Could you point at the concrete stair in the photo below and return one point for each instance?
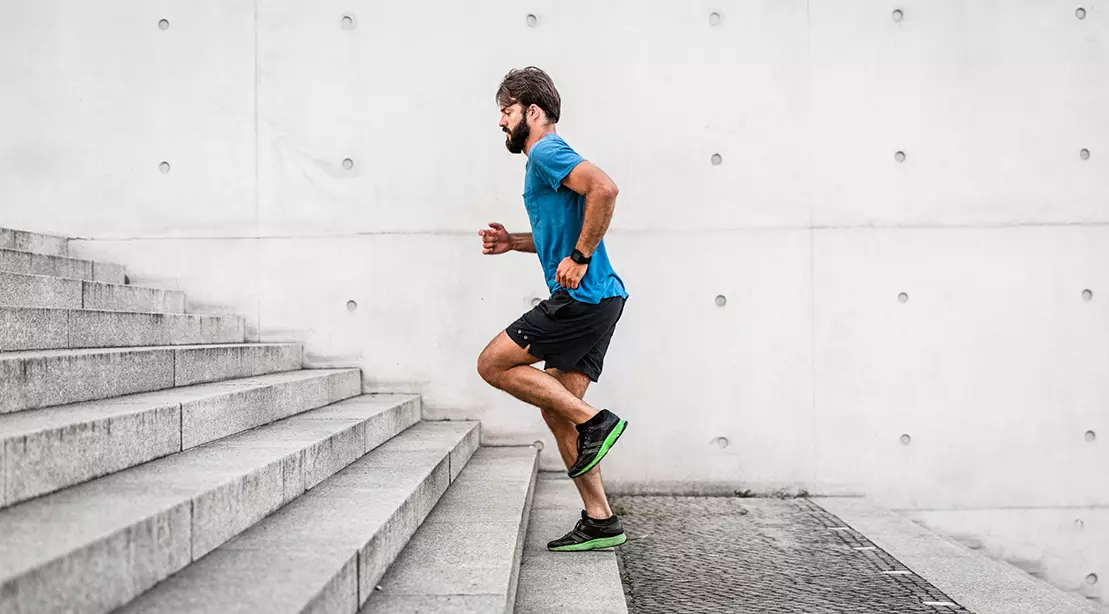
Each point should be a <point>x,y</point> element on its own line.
<point>327,550</point>
<point>34,379</point>
<point>17,290</point>
<point>558,582</point>
<point>23,328</point>
<point>94,547</point>
<point>30,263</point>
<point>24,241</point>
<point>45,450</point>
<point>471,543</point>
<point>153,461</point>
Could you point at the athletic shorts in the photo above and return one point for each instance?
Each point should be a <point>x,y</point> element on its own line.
<point>568,334</point>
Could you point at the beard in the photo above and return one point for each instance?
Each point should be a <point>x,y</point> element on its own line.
<point>517,137</point>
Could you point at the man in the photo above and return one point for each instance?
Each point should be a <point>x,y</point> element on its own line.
<point>570,203</point>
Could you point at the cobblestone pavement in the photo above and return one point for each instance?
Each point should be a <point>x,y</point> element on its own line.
<point>765,556</point>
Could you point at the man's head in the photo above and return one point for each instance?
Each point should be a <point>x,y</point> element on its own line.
<point>528,100</point>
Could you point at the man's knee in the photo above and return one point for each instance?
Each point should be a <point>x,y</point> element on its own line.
<point>487,368</point>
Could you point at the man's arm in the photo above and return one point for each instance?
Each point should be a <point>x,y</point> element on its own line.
<point>521,242</point>
<point>600,201</point>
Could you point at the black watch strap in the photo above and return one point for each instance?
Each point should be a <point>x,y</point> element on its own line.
<point>580,258</point>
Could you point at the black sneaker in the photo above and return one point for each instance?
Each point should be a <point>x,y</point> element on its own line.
<point>595,438</point>
<point>590,534</point>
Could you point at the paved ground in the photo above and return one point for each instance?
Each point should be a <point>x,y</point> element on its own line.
<point>717,554</point>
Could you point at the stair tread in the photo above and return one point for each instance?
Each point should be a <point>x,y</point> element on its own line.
<point>88,281</point>
<point>45,328</point>
<point>113,312</point>
<point>556,582</point>
<point>36,354</point>
<point>315,549</point>
<point>466,554</point>
<point>33,379</point>
<point>19,290</point>
<point>20,424</point>
<point>62,267</point>
<point>218,489</point>
<point>34,242</point>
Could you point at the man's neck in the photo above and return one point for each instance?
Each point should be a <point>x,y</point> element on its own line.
<point>536,136</point>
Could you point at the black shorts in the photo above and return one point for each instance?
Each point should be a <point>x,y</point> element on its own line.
<point>569,334</point>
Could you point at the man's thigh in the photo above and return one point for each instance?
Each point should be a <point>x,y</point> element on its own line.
<point>502,353</point>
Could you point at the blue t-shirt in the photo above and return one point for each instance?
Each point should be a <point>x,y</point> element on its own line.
<point>556,214</point>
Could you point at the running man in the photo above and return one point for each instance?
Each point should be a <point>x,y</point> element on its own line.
<point>570,203</point>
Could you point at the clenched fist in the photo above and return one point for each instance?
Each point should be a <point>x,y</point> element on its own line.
<point>569,273</point>
<point>495,241</point>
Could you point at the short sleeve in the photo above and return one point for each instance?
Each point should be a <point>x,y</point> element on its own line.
<point>553,160</point>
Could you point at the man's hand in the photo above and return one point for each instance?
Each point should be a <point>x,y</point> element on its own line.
<point>495,241</point>
<point>569,273</point>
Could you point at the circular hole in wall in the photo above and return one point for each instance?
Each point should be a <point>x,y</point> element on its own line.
<point>903,298</point>
<point>898,15</point>
<point>906,440</point>
<point>1087,295</point>
<point>899,156</point>
<point>1080,13</point>
<point>164,167</point>
<point>1084,154</point>
<point>1091,436</point>
<point>348,163</point>
<point>1079,524</point>
<point>352,306</point>
<point>716,159</point>
<point>532,20</point>
<point>538,445</point>
<point>721,442</point>
<point>163,24</point>
<point>1091,579</point>
<point>535,302</point>
<point>714,19</point>
<point>348,22</point>
<point>721,300</point>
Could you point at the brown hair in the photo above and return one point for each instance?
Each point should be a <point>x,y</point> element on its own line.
<point>530,86</point>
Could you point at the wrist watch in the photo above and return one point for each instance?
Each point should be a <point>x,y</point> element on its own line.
<point>579,257</point>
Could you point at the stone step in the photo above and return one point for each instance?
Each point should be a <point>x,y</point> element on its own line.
<point>44,378</point>
<point>45,450</point>
<point>27,328</point>
<point>33,242</point>
<point>94,547</point>
<point>466,556</point>
<point>558,582</point>
<point>17,290</point>
<point>29,263</point>
<point>327,550</point>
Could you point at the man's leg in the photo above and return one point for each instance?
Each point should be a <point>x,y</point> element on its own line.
<point>507,366</point>
<point>589,485</point>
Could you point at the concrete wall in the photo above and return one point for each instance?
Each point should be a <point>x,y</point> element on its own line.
<point>994,365</point>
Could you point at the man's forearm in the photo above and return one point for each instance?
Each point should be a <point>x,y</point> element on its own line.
<point>599,205</point>
<point>522,242</point>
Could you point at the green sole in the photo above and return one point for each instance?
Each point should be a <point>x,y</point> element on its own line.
<point>605,447</point>
<point>593,544</point>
